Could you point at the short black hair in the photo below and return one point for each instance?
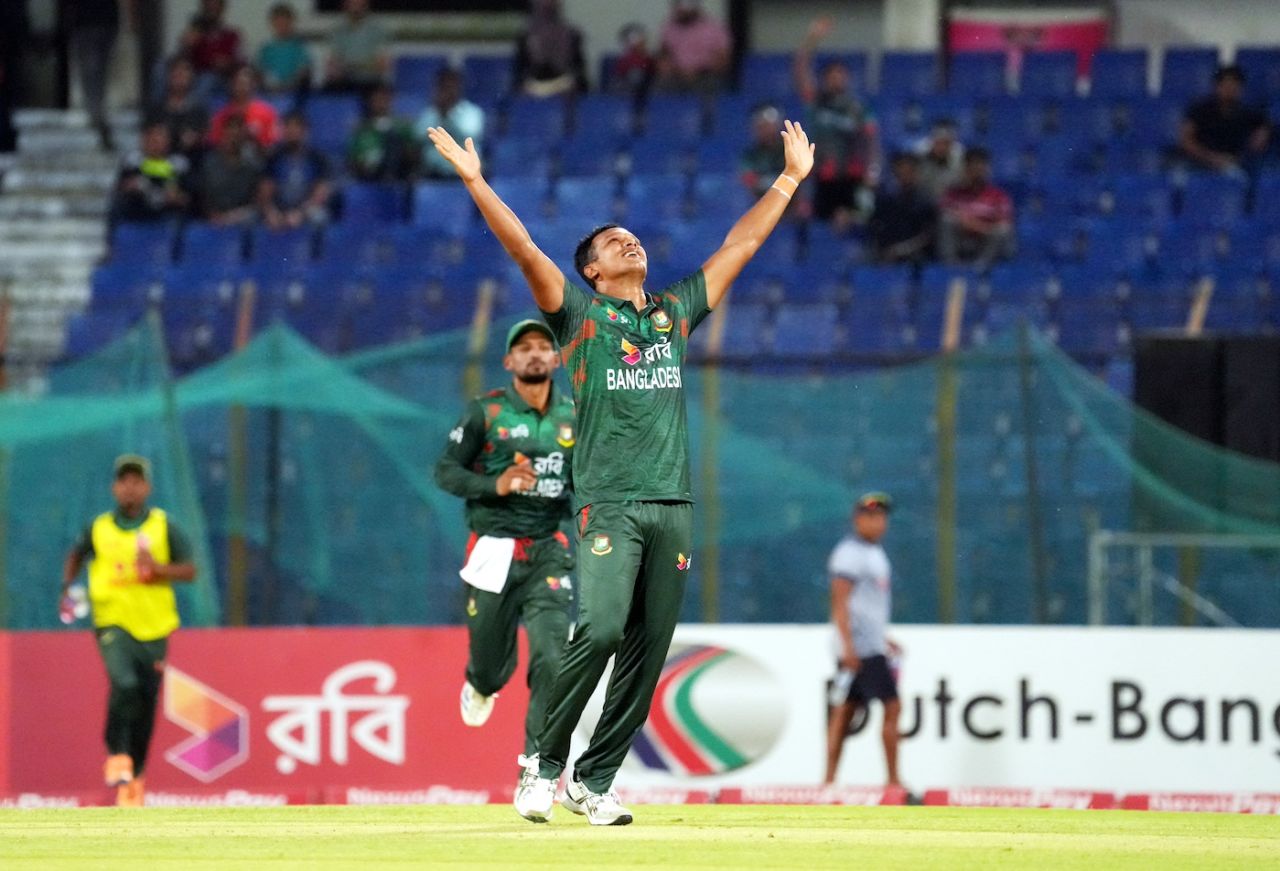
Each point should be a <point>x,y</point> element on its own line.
<point>281,9</point>
<point>585,253</point>
<point>977,153</point>
<point>1229,71</point>
<point>448,73</point>
<point>904,157</point>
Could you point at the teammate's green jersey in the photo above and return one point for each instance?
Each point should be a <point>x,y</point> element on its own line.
<point>626,369</point>
<point>499,430</point>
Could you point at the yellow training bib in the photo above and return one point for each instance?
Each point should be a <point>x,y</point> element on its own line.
<point>146,611</point>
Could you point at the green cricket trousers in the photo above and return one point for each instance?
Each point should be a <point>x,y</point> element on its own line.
<point>633,559</point>
<point>539,592</point>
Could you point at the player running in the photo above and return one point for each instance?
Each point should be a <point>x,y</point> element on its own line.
<point>509,457</point>
<point>135,555</point>
<point>625,350</point>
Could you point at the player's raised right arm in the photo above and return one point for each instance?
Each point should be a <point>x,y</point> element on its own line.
<point>544,277</point>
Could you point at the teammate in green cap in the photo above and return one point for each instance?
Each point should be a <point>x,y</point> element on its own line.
<point>510,457</point>
<point>625,350</point>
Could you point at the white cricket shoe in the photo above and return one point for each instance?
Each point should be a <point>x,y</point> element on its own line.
<point>535,794</point>
<point>600,808</point>
<point>475,707</point>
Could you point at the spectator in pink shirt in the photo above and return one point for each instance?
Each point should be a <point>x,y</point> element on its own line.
<point>695,50</point>
<point>977,216</point>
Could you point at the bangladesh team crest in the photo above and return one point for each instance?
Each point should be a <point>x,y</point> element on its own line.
<point>601,545</point>
<point>661,321</point>
<point>565,437</point>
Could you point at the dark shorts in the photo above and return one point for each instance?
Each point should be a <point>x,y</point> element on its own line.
<point>873,681</point>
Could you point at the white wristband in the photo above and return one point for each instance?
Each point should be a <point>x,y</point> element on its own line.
<point>774,187</point>
<point>790,179</point>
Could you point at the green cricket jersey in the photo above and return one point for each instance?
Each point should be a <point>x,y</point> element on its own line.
<point>498,430</point>
<point>626,369</point>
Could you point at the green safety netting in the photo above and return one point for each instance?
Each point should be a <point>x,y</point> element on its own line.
<point>306,481</point>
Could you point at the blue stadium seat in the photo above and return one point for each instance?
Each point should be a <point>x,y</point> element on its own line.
<point>816,281</point>
<point>1118,72</point>
<point>906,74</point>
<point>199,311</point>
<point>211,244</point>
<point>1049,74</point>
<point>151,242</point>
<point>282,249</point>
<point>416,73</point>
<point>374,202</point>
<point>1261,65</point>
<point>333,119</point>
<point>874,330</point>
<point>1023,283</point>
<point>1124,243</point>
<point>1142,196</point>
<point>1087,328</point>
<point>657,154</point>
<point>604,116</point>
<point>883,288</point>
<point>761,283</point>
<point>1189,245</point>
<point>823,246</point>
<point>541,120</point>
<point>977,73</point>
<point>125,288</point>
<point>675,118</point>
<point>746,333</point>
<point>592,197</point>
<point>487,78</point>
<point>1213,200</point>
<point>444,206</point>
<point>767,76</point>
<point>720,194</point>
<point>356,243</point>
<point>1157,121</point>
<point>805,331</point>
<point>652,196</point>
<point>91,330</point>
<point>719,154</point>
<point>590,155</point>
<point>1187,71</point>
<point>1241,294</point>
<point>411,246</point>
<point>516,157</point>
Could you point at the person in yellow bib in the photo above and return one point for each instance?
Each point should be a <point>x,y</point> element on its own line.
<point>135,554</point>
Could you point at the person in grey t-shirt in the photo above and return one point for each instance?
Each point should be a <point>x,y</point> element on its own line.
<point>861,585</point>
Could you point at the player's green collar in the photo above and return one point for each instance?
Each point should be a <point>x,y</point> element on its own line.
<point>128,523</point>
<point>518,403</point>
<point>618,302</point>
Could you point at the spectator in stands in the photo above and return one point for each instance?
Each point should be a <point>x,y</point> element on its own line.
<point>1220,132</point>
<point>227,188</point>
<point>905,221</point>
<point>766,156</point>
<point>212,47</point>
<point>93,25</point>
<point>977,216</point>
<point>844,130</point>
<point>358,55</point>
<point>181,110</point>
<point>549,57</point>
<point>452,111</point>
<point>941,158</point>
<point>383,147</point>
<point>297,185</point>
<point>635,67</point>
<point>152,184</point>
<point>258,115</point>
<point>695,52</point>
<point>284,60</point>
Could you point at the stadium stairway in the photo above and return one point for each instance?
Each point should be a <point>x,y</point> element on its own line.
<point>53,201</point>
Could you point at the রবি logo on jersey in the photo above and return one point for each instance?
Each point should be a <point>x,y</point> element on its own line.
<point>630,353</point>
<point>715,710</point>
<point>683,562</point>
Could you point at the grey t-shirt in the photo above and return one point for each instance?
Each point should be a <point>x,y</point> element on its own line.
<point>866,566</point>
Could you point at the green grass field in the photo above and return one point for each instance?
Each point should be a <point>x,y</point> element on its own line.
<point>751,837</point>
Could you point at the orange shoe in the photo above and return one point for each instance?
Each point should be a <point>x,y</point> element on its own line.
<point>131,794</point>
<point>118,769</point>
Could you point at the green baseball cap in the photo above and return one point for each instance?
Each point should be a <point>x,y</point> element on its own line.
<point>525,326</point>
<point>134,463</point>
<point>875,501</point>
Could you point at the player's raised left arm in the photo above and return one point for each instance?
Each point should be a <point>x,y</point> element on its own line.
<point>749,233</point>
